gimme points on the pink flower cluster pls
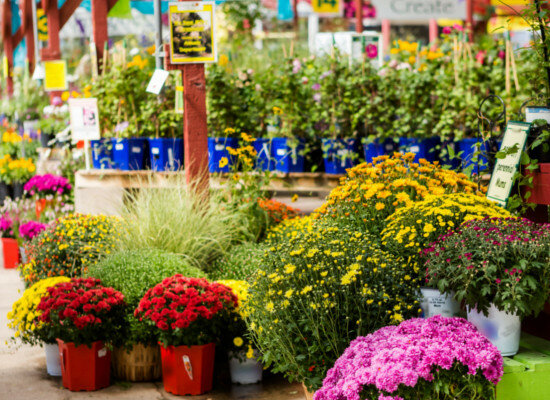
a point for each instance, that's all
(31, 229)
(6, 226)
(47, 184)
(404, 354)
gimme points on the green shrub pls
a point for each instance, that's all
(241, 263)
(133, 273)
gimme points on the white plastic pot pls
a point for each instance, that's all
(501, 328)
(53, 363)
(433, 302)
(245, 372)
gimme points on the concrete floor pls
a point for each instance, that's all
(23, 371)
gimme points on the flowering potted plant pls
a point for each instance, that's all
(190, 314)
(136, 355)
(435, 358)
(16, 172)
(244, 365)
(83, 315)
(48, 190)
(24, 319)
(30, 230)
(499, 268)
(10, 248)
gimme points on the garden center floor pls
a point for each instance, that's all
(23, 371)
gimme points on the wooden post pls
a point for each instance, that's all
(470, 19)
(28, 28)
(295, 19)
(359, 16)
(100, 9)
(386, 35)
(52, 51)
(9, 47)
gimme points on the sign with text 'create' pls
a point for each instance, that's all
(420, 10)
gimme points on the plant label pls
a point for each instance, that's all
(102, 352)
(188, 366)
(157, 81)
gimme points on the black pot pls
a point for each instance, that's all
(45, 138)
(5, 190)
(17, 190)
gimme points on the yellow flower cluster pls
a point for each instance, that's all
(11, 136)
(24, 164)
(138, 61)
(412, 228)
(240, 289)
(371, 192)
(24, 312)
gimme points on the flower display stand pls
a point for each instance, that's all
(526, 375)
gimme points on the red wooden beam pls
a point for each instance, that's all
(359, 16)
(53, 50)
(28, 29)
(100, 9)
(67, 10)
(8, 44)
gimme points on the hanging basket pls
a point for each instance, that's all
(138, 364)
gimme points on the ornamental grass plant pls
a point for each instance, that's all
(181, 219)
(499, 261)
(69, 246)
(371, 192)
(241, 263)
(318, 289)
(134, 272)
(24, 315)
(413, 228)
(422, 359)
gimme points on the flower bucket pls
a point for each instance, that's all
(53, 362)
(338, 154)
(166, 154)
(10, 253)
(287, 156)
(245, 372)
(129, 154)
(85, 368)
(17, 190)
(422, 148)
(102, 154)
(264, 161)
(307, 393)
(377, 148)
(4, 192)
(433, 302)
(469, 147)
(217, 150)
(138, 364)
(187, 370)
(45, 139)
(501, 328)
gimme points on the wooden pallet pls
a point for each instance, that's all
(527, 374)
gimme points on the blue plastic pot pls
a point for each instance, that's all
(130, 154)
(102, 154)
(166, 154)
(422, 148)
(378, 148)
(288, 154)
(338, 154)
(469, 147)
(264, 160)
(217, 149)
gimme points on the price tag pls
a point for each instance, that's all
(157, 81)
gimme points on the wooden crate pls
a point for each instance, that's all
(139, 364)
(527, 374)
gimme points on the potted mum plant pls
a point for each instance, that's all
(244, 366)
(48, 190)
(24, 319)
(189, 314)
(83, 316)
(499, 268)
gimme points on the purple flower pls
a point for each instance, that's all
(317, 97)
(407, 353)
(316, 86)
(372, 51)
(296, 66)
(31, 229)
(56, 101)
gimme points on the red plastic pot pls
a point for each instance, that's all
(83, 367)
(10, 253)
(187, 370)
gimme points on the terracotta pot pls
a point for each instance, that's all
(307, 393)
(187, 370)
(138, 364)
(83, 367)
(9, 253)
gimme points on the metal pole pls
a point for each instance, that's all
(545, 51)
(158, 35)
(35, 35)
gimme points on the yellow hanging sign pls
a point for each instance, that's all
(327, 7)
(55, 75)
(42, 25)
(6, 67)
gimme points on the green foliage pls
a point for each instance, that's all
(241, 263)
(319, 288)
(133, 273)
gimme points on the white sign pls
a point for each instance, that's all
(534, 113)
(84, 119)
(357, 46)
(157, 81)
(420, 10)
(502, 178)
